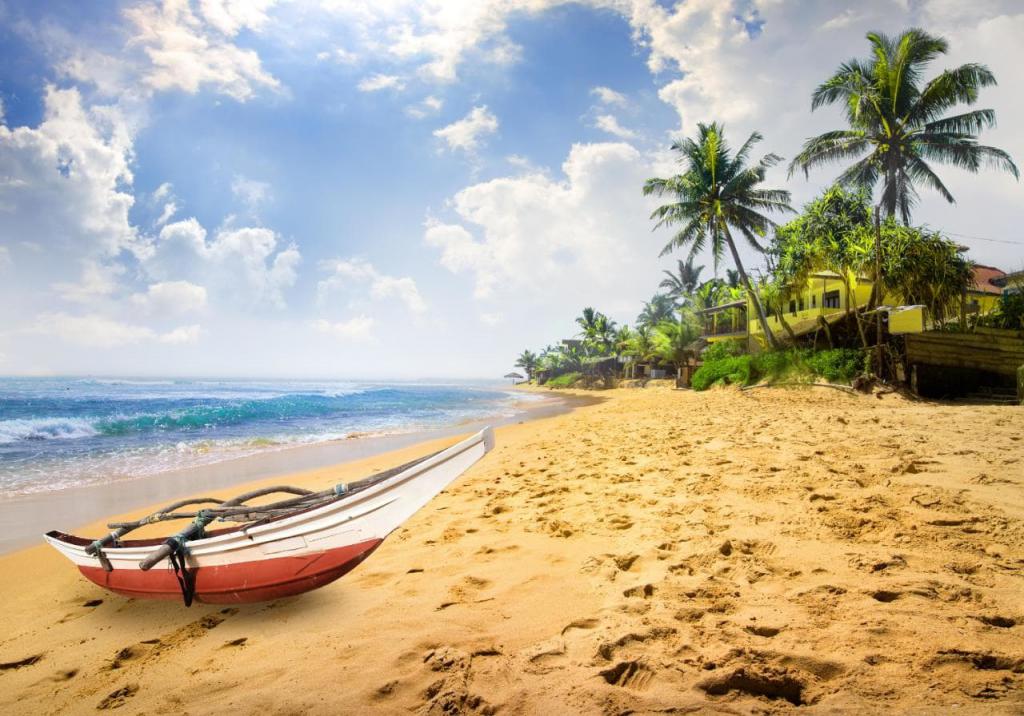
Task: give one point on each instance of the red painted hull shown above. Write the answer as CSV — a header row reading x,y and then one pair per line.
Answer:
x,y
241,583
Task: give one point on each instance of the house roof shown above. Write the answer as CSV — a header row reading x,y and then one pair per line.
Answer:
x,y
983,279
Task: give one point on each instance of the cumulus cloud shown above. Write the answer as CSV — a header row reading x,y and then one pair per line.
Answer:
x,y
356,329
97,331
248,258
65,181
438,35
608,123
357,274
606,95
185,51
170,298
378,82
465,134
534,235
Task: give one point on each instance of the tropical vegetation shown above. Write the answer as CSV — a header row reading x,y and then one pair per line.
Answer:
x,y
898,126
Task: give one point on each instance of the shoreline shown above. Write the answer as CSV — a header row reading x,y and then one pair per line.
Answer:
x,y
27,516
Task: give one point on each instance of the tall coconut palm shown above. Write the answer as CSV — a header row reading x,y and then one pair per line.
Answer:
x,y
681,284
529,362
716,191
900,123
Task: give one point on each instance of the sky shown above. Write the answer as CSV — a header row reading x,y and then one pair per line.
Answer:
x,y
397,189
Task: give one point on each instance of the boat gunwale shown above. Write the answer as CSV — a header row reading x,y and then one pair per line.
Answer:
x,y
74,544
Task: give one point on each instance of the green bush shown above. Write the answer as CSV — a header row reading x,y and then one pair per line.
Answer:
x,y
837,365
730,369
724,349
566,380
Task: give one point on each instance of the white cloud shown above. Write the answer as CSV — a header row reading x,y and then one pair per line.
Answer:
x,y
608,123
66,181
490,319
236,258
170,298
163,191
5,258
359,328
96,331
170,209
181,334
465,134
231,16
184,51
378,82
339,55
532,235
97,281
356,273
254,194
609,96
427,106
438,35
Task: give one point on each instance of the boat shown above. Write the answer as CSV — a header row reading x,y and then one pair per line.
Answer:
x,y
275,549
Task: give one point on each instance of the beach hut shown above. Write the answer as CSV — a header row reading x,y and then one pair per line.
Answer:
x,y
514,376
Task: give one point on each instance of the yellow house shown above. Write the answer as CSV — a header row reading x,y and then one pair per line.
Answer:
x,y
824,300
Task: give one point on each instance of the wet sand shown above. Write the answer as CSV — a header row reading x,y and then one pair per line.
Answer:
x,y
660,552
26,517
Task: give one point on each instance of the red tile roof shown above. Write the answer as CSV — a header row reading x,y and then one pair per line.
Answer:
x,y
983,276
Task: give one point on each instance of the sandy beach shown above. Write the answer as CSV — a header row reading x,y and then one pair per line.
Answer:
x,y
658,552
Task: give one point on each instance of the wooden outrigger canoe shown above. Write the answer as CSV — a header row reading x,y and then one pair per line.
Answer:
x,y
279,549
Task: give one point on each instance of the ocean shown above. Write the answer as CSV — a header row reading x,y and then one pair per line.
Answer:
x,y
69,432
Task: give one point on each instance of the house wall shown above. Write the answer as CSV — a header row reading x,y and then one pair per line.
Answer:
x,y
809,304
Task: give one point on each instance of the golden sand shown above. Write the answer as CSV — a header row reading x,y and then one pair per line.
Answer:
x,y
660,552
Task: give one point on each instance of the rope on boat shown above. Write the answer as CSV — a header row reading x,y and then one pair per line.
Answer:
x,y
234,510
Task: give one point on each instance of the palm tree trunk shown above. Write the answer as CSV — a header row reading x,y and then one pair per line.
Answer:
x,y
856,314
761,317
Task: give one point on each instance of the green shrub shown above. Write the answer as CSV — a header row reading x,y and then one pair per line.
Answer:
x,y
724,349
566,380
836,365
730,369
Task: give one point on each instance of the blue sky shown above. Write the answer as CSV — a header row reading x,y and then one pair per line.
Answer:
x,y
405,189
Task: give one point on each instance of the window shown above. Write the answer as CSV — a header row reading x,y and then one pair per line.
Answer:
x,y
830,299
792,307
800,305
814,300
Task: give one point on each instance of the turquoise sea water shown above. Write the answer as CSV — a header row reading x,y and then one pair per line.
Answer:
x,y
58,433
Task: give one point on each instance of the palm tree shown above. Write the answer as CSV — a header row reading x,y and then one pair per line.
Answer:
x,y
900,123
528,361
660,308
597,330
672,339
718,190
684,281
641,344
732,278
623,336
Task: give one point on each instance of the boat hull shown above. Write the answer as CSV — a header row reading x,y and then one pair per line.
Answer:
x,y
284,556
240,583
